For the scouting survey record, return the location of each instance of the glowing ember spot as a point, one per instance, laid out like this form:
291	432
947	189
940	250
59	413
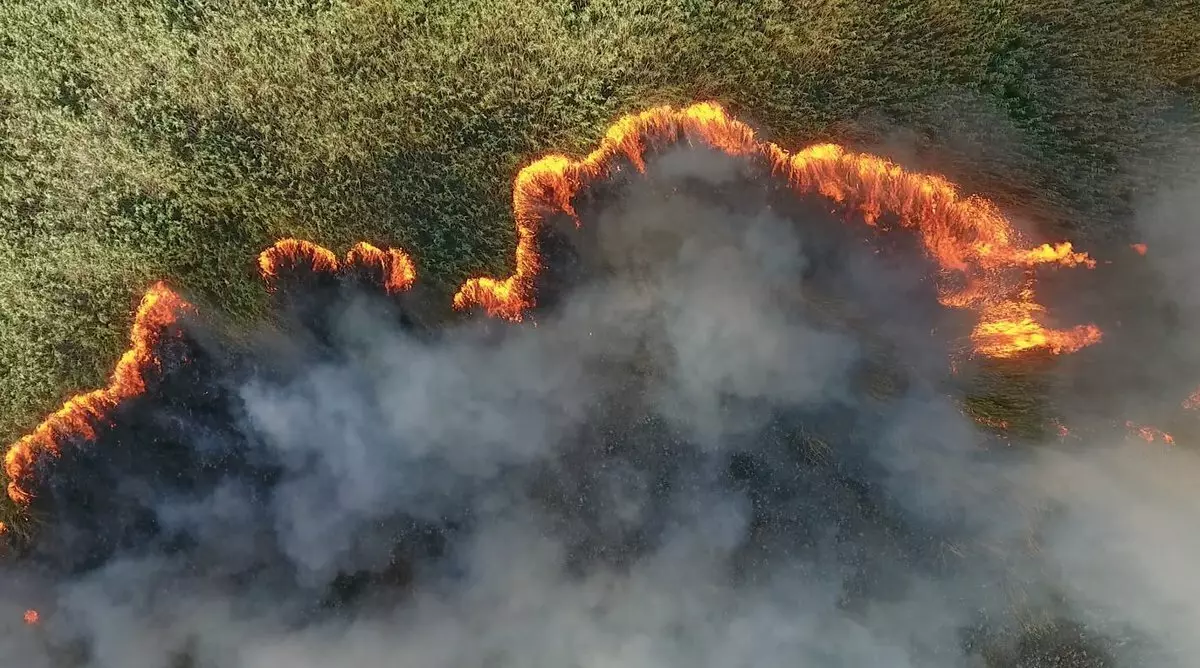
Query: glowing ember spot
966	235
1148	433
1140	249
994	423
32	617
1060	428
396	266
159	308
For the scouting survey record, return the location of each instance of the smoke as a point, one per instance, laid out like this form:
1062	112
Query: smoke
727	438
1122	539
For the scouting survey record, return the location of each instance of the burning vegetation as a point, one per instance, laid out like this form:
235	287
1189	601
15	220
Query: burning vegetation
79	417
196	440
983	263
967	237
156	315
394	270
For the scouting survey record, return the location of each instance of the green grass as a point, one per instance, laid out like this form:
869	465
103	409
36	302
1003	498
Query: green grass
142	139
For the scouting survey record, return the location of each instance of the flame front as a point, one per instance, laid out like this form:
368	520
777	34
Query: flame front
1009	327
1149	433
967	235
294	252
159	308
399	272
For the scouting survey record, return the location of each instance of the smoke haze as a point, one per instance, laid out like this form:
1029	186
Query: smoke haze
731	439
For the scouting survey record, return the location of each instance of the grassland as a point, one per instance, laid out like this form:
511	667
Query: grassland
142	139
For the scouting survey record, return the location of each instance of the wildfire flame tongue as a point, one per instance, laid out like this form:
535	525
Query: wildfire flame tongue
291	253
967	235
158	309
1009	327
397	268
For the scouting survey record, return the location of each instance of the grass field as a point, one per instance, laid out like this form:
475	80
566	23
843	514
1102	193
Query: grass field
142	139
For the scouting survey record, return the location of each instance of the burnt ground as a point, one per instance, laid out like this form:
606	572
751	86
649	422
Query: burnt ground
815	489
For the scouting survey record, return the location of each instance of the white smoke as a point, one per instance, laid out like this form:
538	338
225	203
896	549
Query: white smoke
571	547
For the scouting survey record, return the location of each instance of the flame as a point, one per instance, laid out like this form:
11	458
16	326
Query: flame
1009	327
399	272
1140	249
1148	433
1193	400
159	308
994	423
31	617
964	235
292	253
967	235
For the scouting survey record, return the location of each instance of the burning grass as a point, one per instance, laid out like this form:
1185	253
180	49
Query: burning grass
964	236
148	140
143	140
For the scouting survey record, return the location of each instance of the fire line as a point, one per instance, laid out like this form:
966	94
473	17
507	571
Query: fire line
159	308
964	235
967	235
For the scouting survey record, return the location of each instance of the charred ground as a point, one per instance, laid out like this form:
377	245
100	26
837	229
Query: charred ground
812	477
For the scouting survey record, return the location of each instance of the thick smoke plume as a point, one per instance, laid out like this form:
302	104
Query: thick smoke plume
725	433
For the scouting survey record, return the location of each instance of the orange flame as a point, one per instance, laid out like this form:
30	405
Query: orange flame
159	308
1148	433
398	270
962	234
31	617
1009	327
1193	400
1140	249
397	267
294	252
